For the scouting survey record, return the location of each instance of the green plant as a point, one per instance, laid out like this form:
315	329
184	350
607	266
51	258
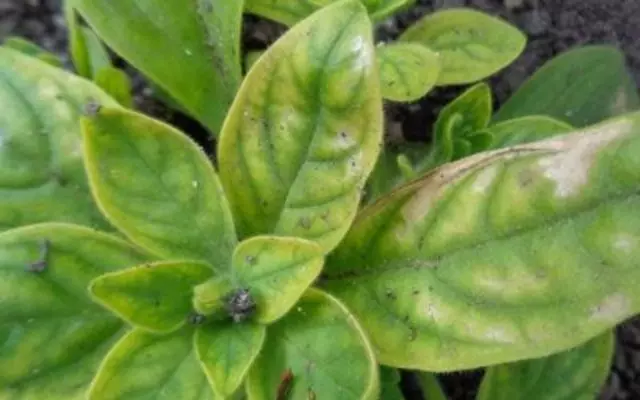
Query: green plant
129	269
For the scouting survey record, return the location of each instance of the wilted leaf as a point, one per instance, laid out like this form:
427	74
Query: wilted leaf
305	129
506	255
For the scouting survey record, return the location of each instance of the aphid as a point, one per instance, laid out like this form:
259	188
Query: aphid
41	264
92	108
196	319
240	305
285	385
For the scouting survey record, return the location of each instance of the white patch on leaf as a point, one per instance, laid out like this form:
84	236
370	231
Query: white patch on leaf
612	308
569	169
624	243
484	179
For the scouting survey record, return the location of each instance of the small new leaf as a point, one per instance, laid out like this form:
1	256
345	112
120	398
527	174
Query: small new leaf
472	45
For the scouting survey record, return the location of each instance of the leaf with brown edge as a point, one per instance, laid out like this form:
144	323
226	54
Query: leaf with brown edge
506	255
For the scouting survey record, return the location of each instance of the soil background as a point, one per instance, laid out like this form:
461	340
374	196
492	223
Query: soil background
552	26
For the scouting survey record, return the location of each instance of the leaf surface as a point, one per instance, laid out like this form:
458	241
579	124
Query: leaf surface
227	351
183	47
152	296
323	348
472	45
305	129
41	174
147	366
52	336
581	87
577	374
158	187
511	254
408	71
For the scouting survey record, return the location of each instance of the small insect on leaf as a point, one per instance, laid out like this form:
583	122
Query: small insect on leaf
41	264
285	385
196	319
92	108
240	305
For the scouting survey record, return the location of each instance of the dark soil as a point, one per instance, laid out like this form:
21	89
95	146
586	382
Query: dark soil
552	27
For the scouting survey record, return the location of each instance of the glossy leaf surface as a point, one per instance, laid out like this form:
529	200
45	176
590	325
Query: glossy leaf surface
305	129
179	46
41	173
408	71
227	351
277	271
152	296
472	45
325	350
52	336
576	374
512	254
581	87
147	366
525	130
158	187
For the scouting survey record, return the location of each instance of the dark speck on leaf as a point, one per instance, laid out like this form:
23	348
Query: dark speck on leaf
196	319
92	108
240	305
416	292
305	222
41	264
390	294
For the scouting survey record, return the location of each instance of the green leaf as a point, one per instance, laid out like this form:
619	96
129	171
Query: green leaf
41	173
147	366
115	82
226	352
277	270
408	71
472	45
524	130
152	296
29	48
251	58
390	384
289	12
576	374
187	49
458	122
378	9
157	187
305	129
430	386
52	336
581	86
88	53
324	349
506	255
